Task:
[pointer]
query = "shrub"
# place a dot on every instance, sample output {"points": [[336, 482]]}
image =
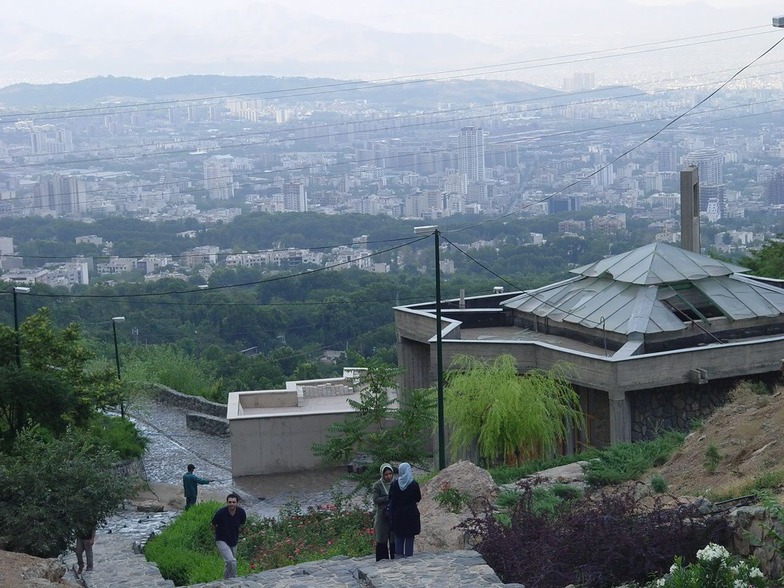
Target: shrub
{"points": [[628, 461], [320, 533], [451, 498], [173, 368], [658, 484], [185, 550], [714, 568], [712, 458], [505, 474], [52, 488], [118, 435], [603, 540]]}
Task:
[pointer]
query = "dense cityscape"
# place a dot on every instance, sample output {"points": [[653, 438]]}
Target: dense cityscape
{"points": [[214, 159]]}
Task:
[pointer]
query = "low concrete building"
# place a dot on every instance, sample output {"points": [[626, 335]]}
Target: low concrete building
{"points": [[653, 339], [273, 431]]}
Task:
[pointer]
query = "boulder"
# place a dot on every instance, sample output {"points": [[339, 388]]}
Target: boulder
{"points": [[20, 569], [439, 532], [149, 506]]}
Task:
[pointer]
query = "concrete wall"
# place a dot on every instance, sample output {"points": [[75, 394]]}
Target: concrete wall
{"points": [[276, 444], [622, 377], [268, 399], [614, 375]]}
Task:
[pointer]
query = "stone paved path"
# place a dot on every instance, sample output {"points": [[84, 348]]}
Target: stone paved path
{"points": [[118, 565], [118, 562]]}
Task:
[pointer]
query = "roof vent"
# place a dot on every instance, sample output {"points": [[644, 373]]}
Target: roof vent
{"points": [[498, 290]]}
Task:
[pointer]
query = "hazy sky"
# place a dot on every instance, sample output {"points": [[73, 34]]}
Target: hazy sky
{"points": [[51, 40]]}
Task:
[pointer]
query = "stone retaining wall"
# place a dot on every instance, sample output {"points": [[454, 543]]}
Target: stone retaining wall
{"points": [[675, 408], [208, 424], [131, 469], [188, 402], [752, 538], [208, 417]]}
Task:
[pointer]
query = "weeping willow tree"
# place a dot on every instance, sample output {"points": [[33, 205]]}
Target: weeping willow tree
{"points": [[503, 415]]}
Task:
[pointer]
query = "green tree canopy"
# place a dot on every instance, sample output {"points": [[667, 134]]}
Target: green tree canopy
{"points": [[52, 489], [52, 386], [768, 261], [382, 428], [503, 415]]}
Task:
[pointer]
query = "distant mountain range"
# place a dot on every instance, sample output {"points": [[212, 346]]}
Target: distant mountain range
{"points": [[412, 94], [103, 90]]}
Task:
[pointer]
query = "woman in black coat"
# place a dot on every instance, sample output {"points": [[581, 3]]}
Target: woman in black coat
{"points": [[403, 497]]}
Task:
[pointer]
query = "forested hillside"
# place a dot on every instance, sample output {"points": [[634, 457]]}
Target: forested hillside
{"points": [[257, 326]]}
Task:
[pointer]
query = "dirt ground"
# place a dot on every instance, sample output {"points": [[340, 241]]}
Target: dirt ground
{"points": [[746, 432]]}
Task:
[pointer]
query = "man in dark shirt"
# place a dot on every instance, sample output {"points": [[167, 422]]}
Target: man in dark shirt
{"points": [[226, 522], [190, 484]]}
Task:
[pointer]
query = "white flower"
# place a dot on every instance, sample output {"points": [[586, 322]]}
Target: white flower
{"points": [[661, 582], [712, 552], [673, 568], [739, 584], [756, 573]]}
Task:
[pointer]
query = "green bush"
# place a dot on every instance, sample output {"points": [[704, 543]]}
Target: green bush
{"points": [[185, 551], [319, 533], [715, 568], [451, 498], [712, 458], [118, 435], [506, 474], [658, 484], [171, 367], [52, 488], [628, 461]]}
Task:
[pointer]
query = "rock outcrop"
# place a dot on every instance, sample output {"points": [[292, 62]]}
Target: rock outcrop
{"points": [[20, 569], [439, 532]]}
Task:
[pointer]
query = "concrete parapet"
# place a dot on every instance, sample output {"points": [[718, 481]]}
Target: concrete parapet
{"points": [[323, 390]]}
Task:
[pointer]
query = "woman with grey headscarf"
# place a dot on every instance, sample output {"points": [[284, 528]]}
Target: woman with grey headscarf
{"points": [[403, 497], [381, 531]]}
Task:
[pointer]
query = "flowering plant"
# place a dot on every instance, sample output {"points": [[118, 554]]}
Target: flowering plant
{"points": [[714, 568]]}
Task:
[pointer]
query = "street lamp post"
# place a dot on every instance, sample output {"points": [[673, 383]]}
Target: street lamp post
{"points": [[17, 347], [439, 351], [115, 320]]}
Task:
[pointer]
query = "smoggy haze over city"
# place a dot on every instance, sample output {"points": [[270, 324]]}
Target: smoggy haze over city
{"points": [[53, 41]]}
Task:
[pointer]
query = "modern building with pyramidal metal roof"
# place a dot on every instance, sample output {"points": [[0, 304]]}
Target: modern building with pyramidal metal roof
{"points": [[655, 337]]}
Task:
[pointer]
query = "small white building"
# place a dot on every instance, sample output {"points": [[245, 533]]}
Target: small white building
{"points": [[273, 431]]}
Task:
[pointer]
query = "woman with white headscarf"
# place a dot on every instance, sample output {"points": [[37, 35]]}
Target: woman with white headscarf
{"points": [[381, 531], [403, 497]]}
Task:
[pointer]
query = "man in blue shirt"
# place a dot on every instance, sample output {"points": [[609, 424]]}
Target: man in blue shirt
{"points": [[190, 483], [226, 522]]}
